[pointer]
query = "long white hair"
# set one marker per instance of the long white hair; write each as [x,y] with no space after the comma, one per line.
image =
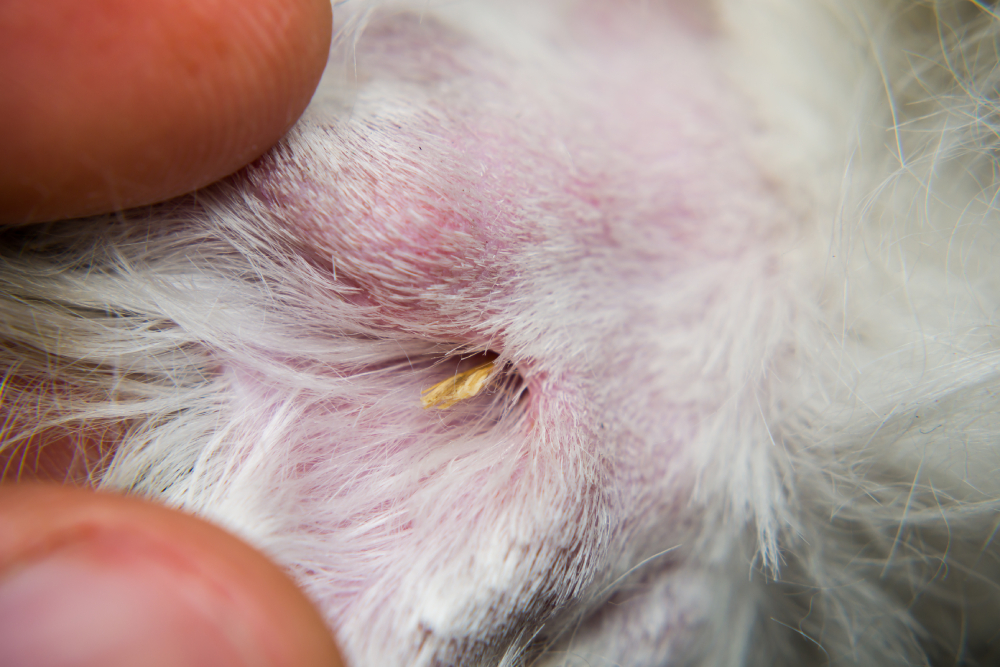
[833,496]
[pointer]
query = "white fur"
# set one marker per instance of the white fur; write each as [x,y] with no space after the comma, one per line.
[758,430]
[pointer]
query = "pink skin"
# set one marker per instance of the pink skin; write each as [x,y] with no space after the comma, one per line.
[593,140]
[571,190]
[463,190]
[742,346]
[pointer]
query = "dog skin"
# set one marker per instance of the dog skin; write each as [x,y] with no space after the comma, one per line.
[723,272]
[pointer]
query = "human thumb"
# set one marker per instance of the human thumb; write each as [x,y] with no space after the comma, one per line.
[90,578]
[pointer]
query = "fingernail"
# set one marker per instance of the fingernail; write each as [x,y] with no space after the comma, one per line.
[116,600]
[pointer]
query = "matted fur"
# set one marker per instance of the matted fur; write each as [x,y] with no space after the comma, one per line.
[768,440]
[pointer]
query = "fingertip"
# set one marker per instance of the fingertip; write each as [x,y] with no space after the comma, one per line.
[113,104]
[107,579]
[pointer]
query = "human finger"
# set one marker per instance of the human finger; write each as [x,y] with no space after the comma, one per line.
[111,104]
[90,578]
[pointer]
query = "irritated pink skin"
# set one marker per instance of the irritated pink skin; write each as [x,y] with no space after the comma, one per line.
[741,412]
[644,145]
[578,210]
